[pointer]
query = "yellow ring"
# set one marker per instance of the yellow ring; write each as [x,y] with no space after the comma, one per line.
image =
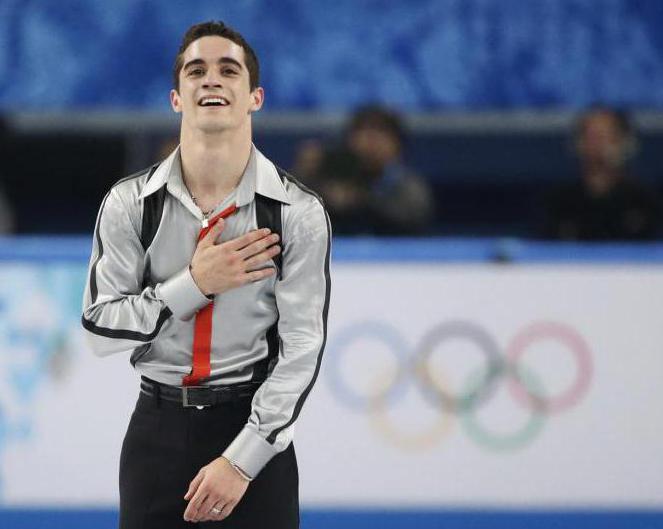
[409,441]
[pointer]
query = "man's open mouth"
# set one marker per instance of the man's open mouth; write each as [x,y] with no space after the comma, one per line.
[213,101]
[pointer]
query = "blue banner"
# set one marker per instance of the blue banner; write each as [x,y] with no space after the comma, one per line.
[415,55]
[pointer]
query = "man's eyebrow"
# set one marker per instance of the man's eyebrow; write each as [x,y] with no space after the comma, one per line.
[230,60]
[192,63]
[222,60]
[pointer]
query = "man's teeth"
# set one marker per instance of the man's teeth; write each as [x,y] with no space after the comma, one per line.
[213,101]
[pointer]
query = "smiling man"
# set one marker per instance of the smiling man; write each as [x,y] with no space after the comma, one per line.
[211,269]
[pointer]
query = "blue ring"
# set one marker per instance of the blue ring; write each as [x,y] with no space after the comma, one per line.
[387,334]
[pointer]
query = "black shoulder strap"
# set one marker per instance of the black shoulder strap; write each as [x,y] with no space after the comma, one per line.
[152,211]
[268,215]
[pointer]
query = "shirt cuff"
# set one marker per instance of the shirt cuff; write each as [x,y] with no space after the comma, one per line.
[182,295]
[250,452]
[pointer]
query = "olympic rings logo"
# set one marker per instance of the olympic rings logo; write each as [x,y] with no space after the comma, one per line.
[524,384]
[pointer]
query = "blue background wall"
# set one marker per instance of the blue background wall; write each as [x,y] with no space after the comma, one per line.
[415,54]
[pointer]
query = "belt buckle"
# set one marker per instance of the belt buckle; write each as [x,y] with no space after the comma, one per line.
[188,402]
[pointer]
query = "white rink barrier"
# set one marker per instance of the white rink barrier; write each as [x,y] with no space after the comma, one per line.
[442,385]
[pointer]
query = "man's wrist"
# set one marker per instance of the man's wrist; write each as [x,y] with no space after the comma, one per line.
[182,295]
[250,451]
[198,284]
[238,469]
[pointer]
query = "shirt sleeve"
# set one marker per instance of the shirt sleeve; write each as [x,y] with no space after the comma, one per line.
[119,312]
[302,298]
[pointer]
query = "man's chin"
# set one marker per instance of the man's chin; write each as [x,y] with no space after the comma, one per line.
[214,126]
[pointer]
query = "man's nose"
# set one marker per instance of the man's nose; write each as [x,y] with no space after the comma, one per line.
[212,79]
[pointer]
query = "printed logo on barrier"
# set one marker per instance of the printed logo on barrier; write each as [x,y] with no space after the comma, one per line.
[501,369]
[39,330]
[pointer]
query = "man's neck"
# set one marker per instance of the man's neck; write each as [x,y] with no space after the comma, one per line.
[600,179]
[213,164]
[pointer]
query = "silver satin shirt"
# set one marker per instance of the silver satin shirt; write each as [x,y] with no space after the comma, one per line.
[155,324]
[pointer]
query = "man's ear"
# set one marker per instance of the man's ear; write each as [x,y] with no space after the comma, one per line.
[257,99]
[175,101]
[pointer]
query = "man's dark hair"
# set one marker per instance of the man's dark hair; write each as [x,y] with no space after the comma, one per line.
[620,118]
[218,29]
[377,117]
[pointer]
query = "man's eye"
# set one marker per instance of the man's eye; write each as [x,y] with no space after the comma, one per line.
[229,71]
[196,71]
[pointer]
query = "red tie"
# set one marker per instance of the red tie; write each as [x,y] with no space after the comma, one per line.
[202,334]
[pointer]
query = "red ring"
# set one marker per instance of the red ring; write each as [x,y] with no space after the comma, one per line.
[576,344]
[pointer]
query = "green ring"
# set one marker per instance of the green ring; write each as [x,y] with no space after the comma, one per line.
[510,441]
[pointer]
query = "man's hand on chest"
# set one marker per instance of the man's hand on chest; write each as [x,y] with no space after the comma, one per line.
[217,268]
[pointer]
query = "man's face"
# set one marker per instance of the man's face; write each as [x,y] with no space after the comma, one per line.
[601,141]
[376,146]
[214,93]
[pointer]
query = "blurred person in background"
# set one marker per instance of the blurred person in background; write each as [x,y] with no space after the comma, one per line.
[7,221]
[165,147]
[308,159]
[606,202]
[366,185]
[6,214]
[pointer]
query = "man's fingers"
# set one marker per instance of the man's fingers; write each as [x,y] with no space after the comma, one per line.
[258,246]
[262,257]
[213,234]
[218,516]
[247,238]
[259,275]
[193,486]
[225,511]
[205,508]
[193,509]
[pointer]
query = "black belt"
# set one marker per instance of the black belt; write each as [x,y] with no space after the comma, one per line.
[198,396]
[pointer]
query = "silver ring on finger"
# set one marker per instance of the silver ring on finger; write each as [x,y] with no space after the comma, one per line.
[216,511]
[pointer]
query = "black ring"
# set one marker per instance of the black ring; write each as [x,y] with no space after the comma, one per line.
[485,384]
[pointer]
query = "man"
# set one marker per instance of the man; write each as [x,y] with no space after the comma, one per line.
[366,184]
[606,203]
[7,219]
[226,326]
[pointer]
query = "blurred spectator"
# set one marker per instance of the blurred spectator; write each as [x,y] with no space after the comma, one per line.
[6,215]
[165,147]
[606,203]
[365,184]
[7,222]
[343,183]
[308,160]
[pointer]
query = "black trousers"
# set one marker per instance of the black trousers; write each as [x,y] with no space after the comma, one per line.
[165,447]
